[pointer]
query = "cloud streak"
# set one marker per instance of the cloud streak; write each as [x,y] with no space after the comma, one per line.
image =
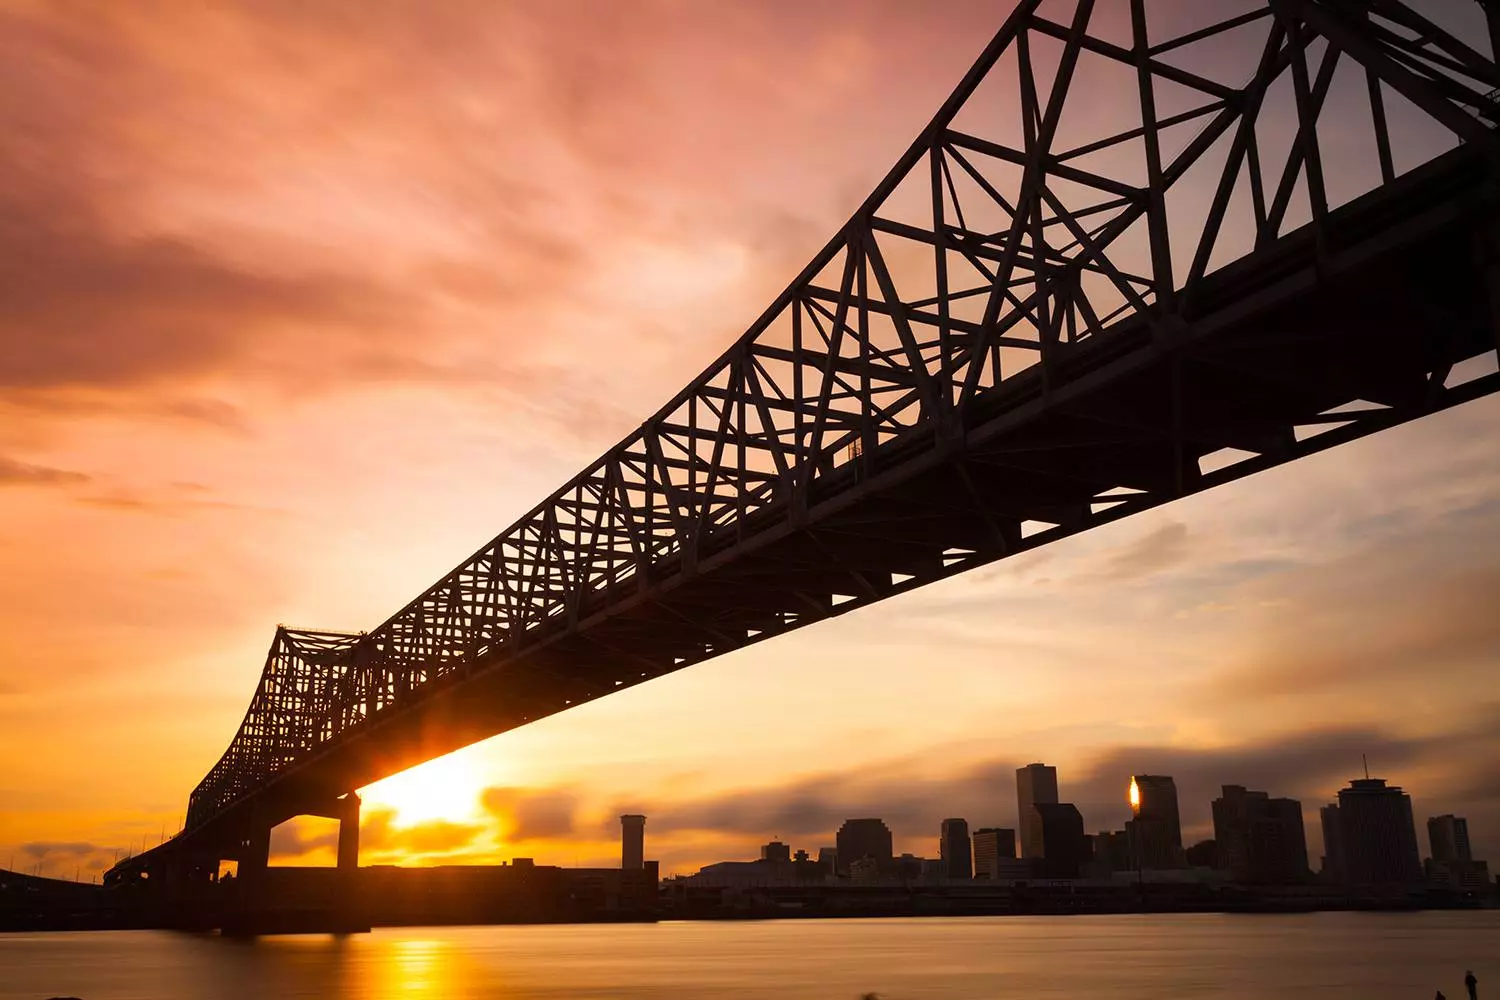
[14,472]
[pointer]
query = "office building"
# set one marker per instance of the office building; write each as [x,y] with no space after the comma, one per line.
[992,846]
[1378,837]
[1035,783]
[1448,838]
[1259,840]
[1333,844]
[863,838]
[828,859]
[1452,865]
[1065,847]
[632,842]
[954,850]
[1154,828]
[776,851]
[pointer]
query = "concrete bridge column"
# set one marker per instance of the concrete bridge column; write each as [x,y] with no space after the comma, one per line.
[348,817]
[256,856]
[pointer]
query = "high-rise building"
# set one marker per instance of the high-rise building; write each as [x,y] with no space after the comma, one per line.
[992,845]
[1260,840]
[1065,847]
[1452,865]
[954,849]
[1035,783]
[633,842]
[775,851]
[828,860]
[864,838]
[1448,837]
[1333,844]
[1154,829]
[1378,834]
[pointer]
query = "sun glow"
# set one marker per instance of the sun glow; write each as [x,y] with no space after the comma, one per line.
[1135,795]
[442,789]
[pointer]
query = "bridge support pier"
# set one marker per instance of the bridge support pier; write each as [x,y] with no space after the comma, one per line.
[256,855]
[348,817]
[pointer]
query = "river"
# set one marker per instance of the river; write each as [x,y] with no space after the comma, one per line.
[1331,956]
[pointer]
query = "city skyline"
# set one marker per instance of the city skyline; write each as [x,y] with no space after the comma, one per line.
[1446,837]
[265,402]
[1441,838]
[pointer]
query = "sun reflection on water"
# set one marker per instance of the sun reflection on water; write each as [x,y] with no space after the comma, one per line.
[421,967]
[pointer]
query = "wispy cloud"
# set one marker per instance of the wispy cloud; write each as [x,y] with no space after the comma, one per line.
[14,472]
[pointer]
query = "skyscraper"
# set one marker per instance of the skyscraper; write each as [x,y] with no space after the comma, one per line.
[1449,838]
[633,842]
[1333,844]
[991,846]
[1260,840]
[1452,865]
[954,849]
[1155,830]
[1378,834]
[864,838]
[1065,847]
[1034,783]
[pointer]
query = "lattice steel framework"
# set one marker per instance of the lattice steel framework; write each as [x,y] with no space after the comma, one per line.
[299,704]
[1092,180]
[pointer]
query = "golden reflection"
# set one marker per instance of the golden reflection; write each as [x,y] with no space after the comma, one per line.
[1135,796]
[417,968]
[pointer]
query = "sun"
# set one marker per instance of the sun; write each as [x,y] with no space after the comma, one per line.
[442,789]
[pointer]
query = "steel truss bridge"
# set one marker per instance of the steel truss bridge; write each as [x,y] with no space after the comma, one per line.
[1143,249]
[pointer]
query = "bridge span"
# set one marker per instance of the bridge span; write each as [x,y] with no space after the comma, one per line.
[1117,268]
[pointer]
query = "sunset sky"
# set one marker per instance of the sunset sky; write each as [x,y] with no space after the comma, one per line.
[302,303]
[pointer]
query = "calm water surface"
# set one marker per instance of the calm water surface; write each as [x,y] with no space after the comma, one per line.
[1332,956]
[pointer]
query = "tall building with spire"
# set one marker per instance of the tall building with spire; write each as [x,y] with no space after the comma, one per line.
[1377,835]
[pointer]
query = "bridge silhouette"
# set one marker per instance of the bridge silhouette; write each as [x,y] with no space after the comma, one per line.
[1142,250]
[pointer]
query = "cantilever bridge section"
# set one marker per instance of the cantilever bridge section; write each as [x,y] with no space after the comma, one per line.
[1144,249]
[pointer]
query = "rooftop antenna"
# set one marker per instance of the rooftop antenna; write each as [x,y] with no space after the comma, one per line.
[1367,766]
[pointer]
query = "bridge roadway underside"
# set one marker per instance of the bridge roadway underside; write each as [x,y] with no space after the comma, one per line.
[1376,306]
